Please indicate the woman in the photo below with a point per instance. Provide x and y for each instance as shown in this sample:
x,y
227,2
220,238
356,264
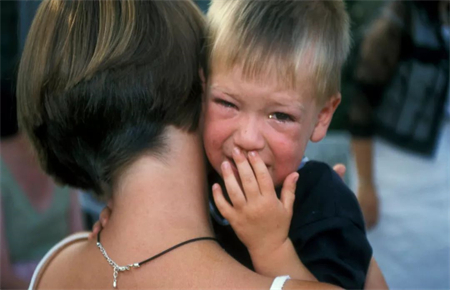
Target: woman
x,y
110,97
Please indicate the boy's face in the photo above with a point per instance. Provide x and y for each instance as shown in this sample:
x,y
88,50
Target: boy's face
x,y
260,116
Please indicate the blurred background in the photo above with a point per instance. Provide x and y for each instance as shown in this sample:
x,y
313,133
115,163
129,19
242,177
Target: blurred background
x,y
392,131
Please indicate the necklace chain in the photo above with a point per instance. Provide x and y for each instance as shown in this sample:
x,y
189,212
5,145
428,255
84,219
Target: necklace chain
x,y
118,269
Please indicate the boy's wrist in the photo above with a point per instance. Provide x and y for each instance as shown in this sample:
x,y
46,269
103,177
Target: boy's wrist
x,y
271,253
281,261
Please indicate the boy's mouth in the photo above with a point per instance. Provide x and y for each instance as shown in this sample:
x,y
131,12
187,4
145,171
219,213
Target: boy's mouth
x,y
234,166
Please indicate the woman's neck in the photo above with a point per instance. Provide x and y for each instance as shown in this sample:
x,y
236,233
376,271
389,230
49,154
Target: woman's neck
x,y
160,202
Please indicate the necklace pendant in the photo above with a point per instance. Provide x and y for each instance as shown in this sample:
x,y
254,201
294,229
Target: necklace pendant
x,y
116,273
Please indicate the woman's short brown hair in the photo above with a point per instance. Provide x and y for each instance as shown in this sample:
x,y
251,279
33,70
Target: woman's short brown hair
x,y
100,80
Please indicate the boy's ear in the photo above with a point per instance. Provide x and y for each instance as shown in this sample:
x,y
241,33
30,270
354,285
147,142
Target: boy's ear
x,y
324,118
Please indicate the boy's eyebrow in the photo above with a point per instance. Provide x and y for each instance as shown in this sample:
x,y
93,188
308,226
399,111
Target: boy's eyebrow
x,y
216,88
277,102
289,104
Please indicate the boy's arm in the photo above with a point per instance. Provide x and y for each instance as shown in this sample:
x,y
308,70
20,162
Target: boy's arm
x,y
327,228
282,261
259,218
375,279
335,251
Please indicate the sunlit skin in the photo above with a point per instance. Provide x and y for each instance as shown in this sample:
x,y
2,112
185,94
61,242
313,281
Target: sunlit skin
x,y
264,116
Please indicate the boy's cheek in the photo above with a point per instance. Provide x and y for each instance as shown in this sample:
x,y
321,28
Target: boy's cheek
x,y
279,176
287,160
215,133
213,147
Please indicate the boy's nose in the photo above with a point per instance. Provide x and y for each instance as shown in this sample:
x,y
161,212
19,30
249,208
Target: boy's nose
x,y
248,137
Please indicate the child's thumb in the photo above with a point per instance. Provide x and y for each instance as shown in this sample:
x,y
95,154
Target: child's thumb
x,y
288,191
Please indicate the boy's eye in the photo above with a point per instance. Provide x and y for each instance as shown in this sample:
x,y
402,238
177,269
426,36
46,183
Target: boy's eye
x,y
281,117
225,104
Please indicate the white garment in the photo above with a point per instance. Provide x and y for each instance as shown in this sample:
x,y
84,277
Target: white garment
x,y
277,284
53,252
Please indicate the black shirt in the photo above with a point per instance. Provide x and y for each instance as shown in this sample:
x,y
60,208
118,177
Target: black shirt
x,y
327,229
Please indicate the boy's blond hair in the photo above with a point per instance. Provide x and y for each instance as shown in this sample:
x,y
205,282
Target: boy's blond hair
x,y
282,37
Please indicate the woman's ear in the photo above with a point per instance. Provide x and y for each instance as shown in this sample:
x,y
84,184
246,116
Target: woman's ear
x,y
324,118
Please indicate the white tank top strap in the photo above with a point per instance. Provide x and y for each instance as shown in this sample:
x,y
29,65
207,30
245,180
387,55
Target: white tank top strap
x,y
278,282
52,253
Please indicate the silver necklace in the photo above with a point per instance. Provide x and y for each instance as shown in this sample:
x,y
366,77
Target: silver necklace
x,y
117,269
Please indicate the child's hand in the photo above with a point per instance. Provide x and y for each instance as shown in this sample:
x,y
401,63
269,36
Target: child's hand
x,y
340,169
258,217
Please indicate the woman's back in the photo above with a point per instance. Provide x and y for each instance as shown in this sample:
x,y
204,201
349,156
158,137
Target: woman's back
x,y
79,264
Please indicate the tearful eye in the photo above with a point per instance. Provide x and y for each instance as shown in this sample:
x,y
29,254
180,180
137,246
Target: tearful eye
x,y
225,104
281,117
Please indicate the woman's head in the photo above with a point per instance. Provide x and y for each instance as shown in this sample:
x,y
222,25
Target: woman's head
x,y
99,81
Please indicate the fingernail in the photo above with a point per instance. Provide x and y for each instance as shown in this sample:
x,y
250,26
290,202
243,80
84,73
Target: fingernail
x,y
252,154
215,186
296,178
225,165
236,151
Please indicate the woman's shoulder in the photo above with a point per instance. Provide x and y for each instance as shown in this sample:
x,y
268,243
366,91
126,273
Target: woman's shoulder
x,y
59,260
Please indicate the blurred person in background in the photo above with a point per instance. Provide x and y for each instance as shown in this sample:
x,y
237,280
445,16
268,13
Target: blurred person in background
x,y
401,77
35,213
335,147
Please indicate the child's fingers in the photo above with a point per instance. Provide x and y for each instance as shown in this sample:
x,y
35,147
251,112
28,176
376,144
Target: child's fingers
x,y
340,169
248,179
222,204
262,173
233,189
288,191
